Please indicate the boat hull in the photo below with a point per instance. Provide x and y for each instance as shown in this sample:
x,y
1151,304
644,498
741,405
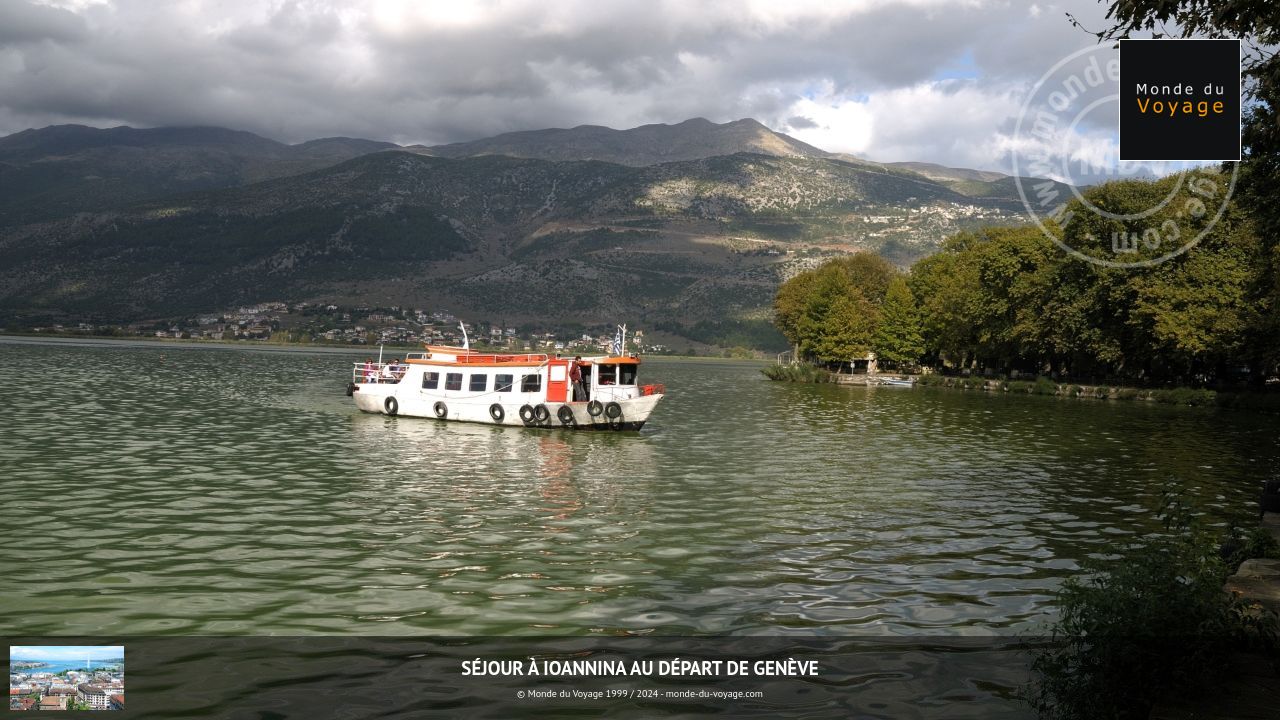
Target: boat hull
x,y
399,400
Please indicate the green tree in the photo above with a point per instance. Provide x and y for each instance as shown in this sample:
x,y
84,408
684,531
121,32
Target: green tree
x,y
1257,23
830,313
789,305
1007,298
828,328
1195,313
1013,271
845,328
1183,318
946,286
898,339
869,273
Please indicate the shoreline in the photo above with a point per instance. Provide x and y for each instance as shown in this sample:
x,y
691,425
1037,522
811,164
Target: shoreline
x,y
69,338
1244,398
275,346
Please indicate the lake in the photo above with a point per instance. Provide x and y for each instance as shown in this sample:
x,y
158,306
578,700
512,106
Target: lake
x,y
155,489
56,666
227,491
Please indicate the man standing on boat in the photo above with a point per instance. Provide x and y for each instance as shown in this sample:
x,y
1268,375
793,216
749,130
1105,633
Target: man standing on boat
x,y
575,376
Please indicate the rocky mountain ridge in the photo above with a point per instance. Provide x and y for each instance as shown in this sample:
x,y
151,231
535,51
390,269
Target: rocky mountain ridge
x,y
199,219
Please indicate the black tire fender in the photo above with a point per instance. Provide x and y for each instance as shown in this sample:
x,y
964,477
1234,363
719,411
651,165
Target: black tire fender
x,y
613,411
440,409
565,415
541,413
594,408
351,389
496,412
391,405
526,414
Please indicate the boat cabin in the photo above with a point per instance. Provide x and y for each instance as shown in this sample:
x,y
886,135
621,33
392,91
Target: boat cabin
x,y
529,377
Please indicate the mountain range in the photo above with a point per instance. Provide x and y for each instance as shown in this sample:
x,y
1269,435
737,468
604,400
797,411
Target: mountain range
x,y
687,227
645,145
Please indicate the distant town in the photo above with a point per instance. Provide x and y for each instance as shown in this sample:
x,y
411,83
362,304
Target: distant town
x,y
372,326
32,688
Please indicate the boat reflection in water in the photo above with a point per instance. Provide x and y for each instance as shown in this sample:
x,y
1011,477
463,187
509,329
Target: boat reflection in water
x,y
466,460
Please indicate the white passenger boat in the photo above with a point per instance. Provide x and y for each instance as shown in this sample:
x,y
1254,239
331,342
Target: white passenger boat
x,y
533,390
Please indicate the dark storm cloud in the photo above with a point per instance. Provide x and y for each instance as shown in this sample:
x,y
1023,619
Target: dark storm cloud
x,y
21,23
413,71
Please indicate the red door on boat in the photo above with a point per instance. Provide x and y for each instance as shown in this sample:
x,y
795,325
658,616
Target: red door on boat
x,y
557,380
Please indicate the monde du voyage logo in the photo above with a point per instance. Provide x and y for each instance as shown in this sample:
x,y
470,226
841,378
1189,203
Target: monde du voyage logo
x,y
1180,100
1167,111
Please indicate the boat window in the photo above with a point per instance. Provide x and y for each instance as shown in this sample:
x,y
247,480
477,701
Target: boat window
x,y
453,381
502,383
430,381
627,374
608,375
531,383
479,383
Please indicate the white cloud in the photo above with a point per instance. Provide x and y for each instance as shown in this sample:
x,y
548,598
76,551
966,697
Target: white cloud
x,y
65,652
838,125
951,121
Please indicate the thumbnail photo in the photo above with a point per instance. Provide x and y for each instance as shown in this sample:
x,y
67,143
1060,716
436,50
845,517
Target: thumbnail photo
x,y
66,677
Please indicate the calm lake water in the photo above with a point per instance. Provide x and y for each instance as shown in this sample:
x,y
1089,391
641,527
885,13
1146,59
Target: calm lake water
x,y
154,490
57,666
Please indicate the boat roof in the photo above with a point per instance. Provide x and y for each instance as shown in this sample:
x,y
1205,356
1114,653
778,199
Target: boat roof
x,y
445,354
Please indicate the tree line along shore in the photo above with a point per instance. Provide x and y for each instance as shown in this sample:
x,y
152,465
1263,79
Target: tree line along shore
x,y
1003,303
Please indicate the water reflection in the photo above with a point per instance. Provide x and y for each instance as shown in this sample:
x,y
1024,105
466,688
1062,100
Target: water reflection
x,y
556,486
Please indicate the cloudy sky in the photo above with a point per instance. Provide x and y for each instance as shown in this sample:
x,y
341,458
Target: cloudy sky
x,y
929,80
52,653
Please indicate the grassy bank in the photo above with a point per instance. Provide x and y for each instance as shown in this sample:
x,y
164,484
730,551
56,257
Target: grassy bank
x,y
796,373
1196,397
1151,623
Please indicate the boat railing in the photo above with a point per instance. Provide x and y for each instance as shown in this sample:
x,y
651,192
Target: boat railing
x,y
462,356
363,373
497,358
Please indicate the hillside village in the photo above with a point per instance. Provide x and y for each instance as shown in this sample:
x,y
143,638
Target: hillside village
x,y
340,325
